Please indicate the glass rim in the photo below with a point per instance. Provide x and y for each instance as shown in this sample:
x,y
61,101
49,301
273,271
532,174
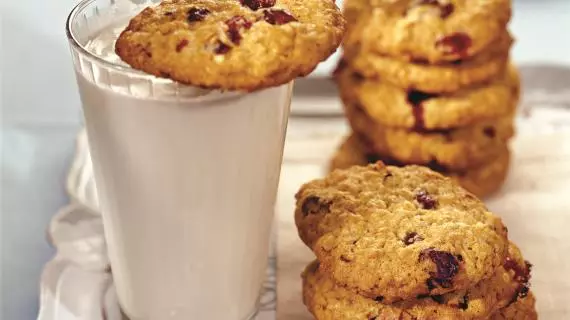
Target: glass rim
x,y
77,45
127,70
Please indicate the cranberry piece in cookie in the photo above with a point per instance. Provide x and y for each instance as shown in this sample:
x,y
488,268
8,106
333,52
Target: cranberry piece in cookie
x,y
256,4
425,200
181,45
416,99
277,17
197,14
412,238
489,132
447,266
456,44
235,26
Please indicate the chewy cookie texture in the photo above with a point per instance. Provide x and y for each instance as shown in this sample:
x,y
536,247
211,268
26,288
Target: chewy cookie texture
x,y
481,181
429,82
232,44
407,243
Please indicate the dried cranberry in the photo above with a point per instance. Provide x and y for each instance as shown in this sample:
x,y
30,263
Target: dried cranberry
x,y
418,60
489,132
523,291
221,48
426,200
315,205
411,238
446,10
522,274
256,4
235,25
416,99
447,266
181,45
277,17
197,14
457,43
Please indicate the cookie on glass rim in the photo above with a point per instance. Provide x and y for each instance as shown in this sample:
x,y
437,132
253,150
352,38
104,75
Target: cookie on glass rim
x,y
241,45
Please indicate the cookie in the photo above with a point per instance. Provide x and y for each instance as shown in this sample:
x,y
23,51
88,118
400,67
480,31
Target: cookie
x,y
229,44
392,106
481,181
456,149
394,233
434,78
327,300
429,31
522,309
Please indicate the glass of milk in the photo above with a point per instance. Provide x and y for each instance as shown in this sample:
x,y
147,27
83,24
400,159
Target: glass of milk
x,y
187,178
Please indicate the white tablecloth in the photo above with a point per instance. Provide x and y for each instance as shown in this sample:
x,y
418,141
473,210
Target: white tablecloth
x,y
41,115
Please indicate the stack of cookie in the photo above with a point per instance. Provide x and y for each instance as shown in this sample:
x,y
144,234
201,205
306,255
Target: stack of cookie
x,y
429,83
407,243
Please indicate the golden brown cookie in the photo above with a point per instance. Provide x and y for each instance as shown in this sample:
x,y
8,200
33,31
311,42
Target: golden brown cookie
x,y
434,78
456,149
392,106
430,31
481,181
328,301
522,309
230,44
394,233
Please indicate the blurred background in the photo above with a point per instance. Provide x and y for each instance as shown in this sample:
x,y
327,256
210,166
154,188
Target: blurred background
x,y
41,116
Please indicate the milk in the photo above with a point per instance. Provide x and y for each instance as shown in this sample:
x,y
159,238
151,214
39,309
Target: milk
x,y
187,180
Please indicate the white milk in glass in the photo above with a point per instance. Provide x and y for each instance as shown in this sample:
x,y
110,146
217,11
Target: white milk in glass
x,y
187,180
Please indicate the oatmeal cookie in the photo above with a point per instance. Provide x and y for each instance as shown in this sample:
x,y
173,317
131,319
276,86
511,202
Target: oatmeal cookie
x,y
392,106
522,309
394,233
432,78
481,181
328,301
232,44
427,31
456,149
